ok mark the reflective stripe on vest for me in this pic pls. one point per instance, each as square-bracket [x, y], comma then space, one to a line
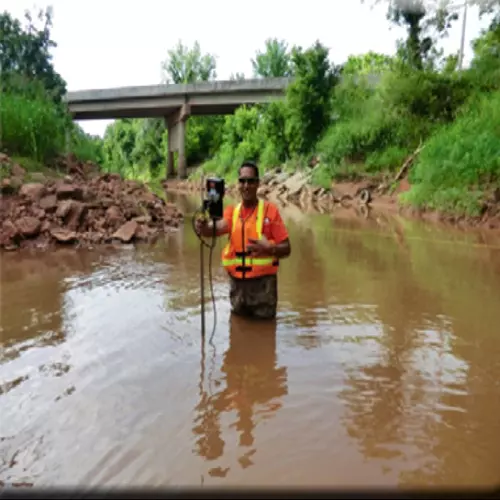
[253, 261]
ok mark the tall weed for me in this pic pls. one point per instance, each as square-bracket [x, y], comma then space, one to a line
[31, 127]
[460, 159]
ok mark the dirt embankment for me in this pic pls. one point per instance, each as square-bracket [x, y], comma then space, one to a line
[82, 207]
[376, 194]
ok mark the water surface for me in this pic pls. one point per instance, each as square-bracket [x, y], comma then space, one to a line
[383, 368]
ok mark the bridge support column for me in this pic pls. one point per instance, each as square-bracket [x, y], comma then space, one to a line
[176, 126]
[170, 152]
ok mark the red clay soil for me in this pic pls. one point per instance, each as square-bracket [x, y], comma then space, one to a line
[83, 208]
[388, 203]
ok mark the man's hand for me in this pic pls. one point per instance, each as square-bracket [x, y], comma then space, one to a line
[204, 227]
[259, 248]
[200, 226]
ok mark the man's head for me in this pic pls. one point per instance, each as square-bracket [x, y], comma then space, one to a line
[248, 176]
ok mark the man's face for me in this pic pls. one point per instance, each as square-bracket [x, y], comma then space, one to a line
[248, 184]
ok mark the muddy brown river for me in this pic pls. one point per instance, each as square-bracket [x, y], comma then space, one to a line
[382, 369]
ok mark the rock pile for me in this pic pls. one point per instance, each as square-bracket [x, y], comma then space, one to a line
[285, 187]
[83, 208]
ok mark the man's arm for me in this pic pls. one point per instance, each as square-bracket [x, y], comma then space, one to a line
[221, 227]
[282, 248]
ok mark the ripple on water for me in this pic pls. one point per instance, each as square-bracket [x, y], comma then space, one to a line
[380, 376]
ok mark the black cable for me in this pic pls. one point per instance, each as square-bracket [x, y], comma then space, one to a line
[210, 279]
[210, 247]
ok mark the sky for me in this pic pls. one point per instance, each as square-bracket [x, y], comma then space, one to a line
[111, 43]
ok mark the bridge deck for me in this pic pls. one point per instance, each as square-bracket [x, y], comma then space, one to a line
[220, 97]
[258, 85]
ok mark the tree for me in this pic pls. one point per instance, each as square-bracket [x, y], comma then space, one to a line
[34, 121]
[485, 66]
[309, 96]
[274, 61]
[425, 24]
[426, 21]
[366, 64]
[25, 57]
[188, 65]
[148, 151]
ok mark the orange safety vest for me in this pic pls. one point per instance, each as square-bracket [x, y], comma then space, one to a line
[236, 260]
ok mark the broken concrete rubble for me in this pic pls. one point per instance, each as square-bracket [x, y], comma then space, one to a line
[285, 187]
[83, 208]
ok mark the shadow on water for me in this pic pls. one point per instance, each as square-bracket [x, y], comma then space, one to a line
[382, 368]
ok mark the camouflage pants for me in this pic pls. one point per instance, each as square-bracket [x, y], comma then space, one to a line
[256, 297]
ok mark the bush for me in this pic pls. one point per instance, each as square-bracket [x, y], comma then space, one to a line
[460, 160]
[87, 148]
[32, 127]
[378, 126]
[35, 127]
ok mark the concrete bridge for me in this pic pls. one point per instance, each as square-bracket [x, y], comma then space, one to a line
[174, 103]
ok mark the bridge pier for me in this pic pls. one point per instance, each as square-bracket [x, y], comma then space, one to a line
[176, 128]
[174, 103]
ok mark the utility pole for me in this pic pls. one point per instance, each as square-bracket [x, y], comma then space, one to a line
[462, 41]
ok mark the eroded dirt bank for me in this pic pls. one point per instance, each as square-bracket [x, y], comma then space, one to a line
[379, 195]
[81, 207]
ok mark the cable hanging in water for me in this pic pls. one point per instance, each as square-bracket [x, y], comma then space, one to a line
[210, 247]
[212, 209]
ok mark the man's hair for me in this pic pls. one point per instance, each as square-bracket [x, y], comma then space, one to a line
[250, 164]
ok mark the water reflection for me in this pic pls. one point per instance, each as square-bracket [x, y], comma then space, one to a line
[251, 388]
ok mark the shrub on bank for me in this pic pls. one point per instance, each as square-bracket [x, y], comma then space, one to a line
[31, 126]
[374, 125]
[387, 123]
[86, 147]
[35, 127]
[460, 160]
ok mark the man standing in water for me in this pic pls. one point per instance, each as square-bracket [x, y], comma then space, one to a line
[258, 239]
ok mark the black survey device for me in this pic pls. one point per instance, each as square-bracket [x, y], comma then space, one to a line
[214, 197]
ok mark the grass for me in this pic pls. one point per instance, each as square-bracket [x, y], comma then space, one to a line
[34, 131]
[460, 162]
[31, 127]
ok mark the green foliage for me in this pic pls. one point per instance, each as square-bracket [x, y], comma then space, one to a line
[379, 125]
[275, 133]
[274, 61]
[485, 67]
[389, 158]
[138, 148]
[33, 120]
[460, 159]
[31, 127]
[188, 65]
[321, 177]
[309, 97]
[382, 123]
[380, 111]
[361, 118]
[367, 64]
[25, 59]
[86, 147]
[425, 22]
